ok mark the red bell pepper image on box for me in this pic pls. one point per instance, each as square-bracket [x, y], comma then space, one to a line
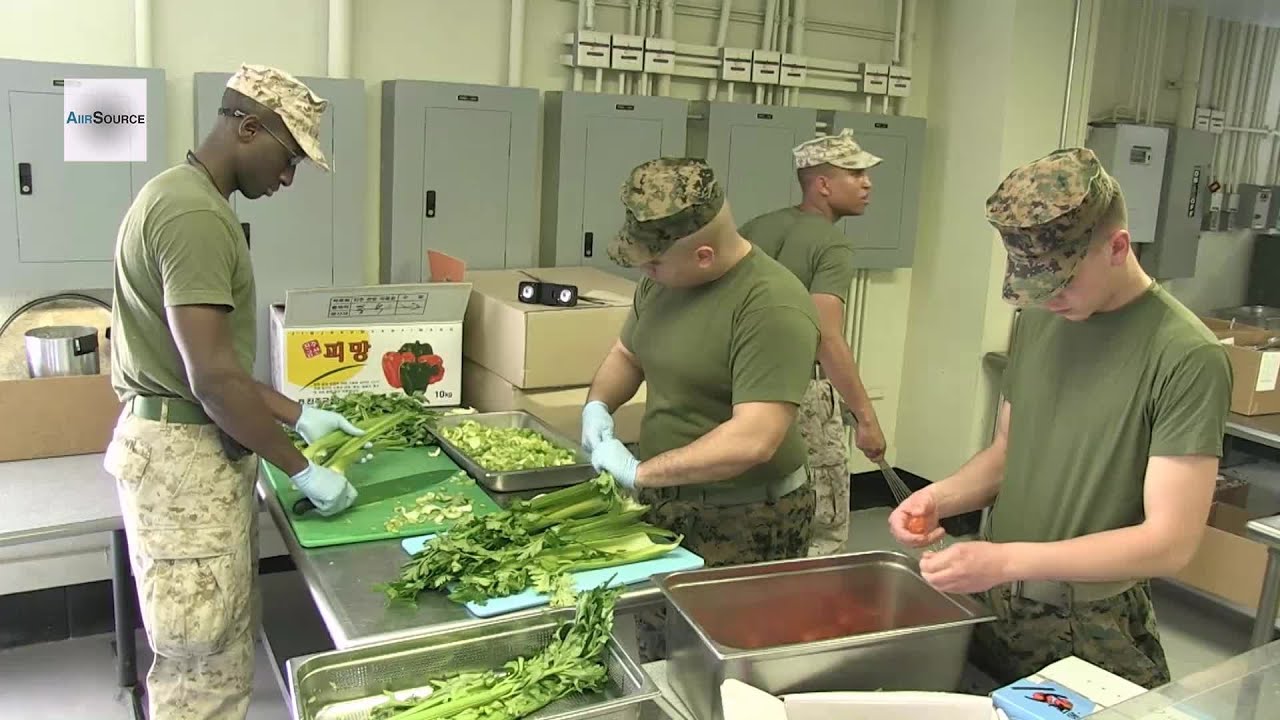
[413, 367]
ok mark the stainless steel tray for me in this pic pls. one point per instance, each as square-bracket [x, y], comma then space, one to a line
[347, 684]
[913, 637]
[516, 480]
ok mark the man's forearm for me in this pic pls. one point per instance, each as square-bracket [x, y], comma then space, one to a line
[1130, 553]
[616, 381]
[837, 363]
[281, 407]
[726, 452]
[235, 403]
[974, 486]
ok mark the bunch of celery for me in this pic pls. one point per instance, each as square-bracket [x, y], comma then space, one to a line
[535, 544]
[572, 663]
[359, 407]
[338, 450]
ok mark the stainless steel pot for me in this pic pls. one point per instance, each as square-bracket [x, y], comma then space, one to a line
[62, 350]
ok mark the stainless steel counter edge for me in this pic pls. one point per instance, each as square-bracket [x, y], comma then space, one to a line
[434, 612]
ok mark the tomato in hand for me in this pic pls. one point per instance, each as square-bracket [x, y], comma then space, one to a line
[917, 524]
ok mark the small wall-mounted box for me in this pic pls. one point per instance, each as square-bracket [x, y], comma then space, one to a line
[1204, 119]
[794, 70]
[1218, 121]
[899, 81]
[765, 66]
[875, 79]
[591, 49]
[659, 56]
[735, 64]
[628, 52]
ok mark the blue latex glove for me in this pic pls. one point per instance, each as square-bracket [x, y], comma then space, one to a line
[328, 491]
[597, 425]
[613, 457]
[315, 423]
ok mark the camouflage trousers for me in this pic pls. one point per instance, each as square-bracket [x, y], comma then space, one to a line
[191, 520]
[824, 434]
[1117, 634]
[732, 535]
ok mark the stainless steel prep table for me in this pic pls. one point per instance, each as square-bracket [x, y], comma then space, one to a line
[55, 498]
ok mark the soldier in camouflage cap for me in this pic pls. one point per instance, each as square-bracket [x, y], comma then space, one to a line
[1107, 441]
[834, 176]
[185, 450]
[724, 338]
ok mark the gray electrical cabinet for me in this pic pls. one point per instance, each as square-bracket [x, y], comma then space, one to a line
[458, 174]
[310, 234]
[1184, 201]
[1254, 212]
[1135, 156]
[749, 147]
[1273, 220]
[592, 142]
[885, 236]
[58, 219]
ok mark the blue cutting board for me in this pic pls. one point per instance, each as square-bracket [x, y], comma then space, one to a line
[674, 561]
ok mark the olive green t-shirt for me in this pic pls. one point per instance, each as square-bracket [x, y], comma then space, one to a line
[749, 336]
[1091, 401]
[180, 244]
[811, 247]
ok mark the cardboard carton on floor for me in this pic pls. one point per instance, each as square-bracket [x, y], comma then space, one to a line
[1226, 563]
[57, 416]
[381, 339]
[560, 408]
[1256, 373]
[744, 702]
[536, 346]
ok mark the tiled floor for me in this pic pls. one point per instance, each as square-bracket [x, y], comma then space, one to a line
[75, 678]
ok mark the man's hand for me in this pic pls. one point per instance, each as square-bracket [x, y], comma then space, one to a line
[967, 567]
[613, 457]
[597, 425]
[914, 523]
[328, 491]
[314, 424]
[869, 438]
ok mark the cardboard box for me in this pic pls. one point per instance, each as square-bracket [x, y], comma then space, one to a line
[59, 416]
[560, 408]
[1069, 688]
[1256, 373]
[542, 346]
[1227, 564]
[744, 702]
[331, 341]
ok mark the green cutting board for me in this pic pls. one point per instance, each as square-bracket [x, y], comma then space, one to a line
[363, 523]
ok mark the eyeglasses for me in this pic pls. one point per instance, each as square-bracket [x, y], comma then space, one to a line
[294, 158]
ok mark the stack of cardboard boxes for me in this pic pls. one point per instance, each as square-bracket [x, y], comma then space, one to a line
[542, 358]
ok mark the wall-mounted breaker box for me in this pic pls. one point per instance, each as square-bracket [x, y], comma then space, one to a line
[875, 79]
[458, 175]
[659, 56]
[899, 81]
[794, 70]
[735, 64]
[1273, 222]
[58, 219]
[765, 67]
[1184, 204]
[1254, 211]
[628, 53]
[1135, 156]
[591, 49]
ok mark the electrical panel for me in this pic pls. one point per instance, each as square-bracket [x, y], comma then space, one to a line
[58, 219]
[1273, 222]
[749, 147]
[592, 143]
[458, 174]
[1254, 210]
[310, 234]
[1184, 203]
[885, 236]
[1264, 268]
[1135, 156]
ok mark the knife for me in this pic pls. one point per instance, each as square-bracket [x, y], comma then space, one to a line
[380, 490]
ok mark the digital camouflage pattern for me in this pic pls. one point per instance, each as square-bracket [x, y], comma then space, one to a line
[841, 151]
[1118, 634]
[1045, 212]
[191, 521]
[665, 200]
[299, 108]
[734, 535]
[824, 434]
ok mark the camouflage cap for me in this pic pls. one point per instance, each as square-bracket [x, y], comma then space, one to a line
[665, 200]
[841, 150]
[1046, 211]
[299, 108]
